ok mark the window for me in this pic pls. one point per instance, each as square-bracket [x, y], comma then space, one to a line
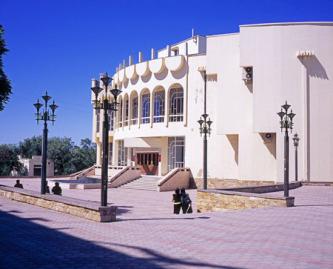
[176, 150]
[145, 116]
[111, 115]
[110, 153]
[122, 153]
[120, 114]
[134, 119]
[176, 104]
[126, 112]
[159, 98]
[97, 120]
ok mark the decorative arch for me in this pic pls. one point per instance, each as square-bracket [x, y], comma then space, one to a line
[176, 102]
[158, 104]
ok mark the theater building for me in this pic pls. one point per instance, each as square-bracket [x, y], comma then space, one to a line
[249, 75]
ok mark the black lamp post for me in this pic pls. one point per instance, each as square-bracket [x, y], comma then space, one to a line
[296, 142]
[286, 121]
[45, 116]
[205, 129]
[106, 106]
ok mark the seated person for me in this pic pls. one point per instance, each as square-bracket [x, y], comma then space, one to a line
[18, 184]
[56, 189]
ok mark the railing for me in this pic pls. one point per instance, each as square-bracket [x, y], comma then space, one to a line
[176, 117]
[159, 118]
[145, 120]
[134, 121]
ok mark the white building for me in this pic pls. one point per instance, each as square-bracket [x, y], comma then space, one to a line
[162, 99]
[34, 166]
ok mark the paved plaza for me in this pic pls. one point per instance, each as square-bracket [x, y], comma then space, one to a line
[148, 235]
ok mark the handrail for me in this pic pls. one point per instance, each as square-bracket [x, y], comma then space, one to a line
[168, 176]
[177, 178]
[114, 177]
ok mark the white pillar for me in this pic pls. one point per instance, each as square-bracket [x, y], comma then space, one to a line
[139, 109]
[168, 50]
[166, 108]
[152, 54]
[140, 57]
[151, 109]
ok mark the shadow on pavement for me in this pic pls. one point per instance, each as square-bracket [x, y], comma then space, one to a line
[165, 261]
[25, 244]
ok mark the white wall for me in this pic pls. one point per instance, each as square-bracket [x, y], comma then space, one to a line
[279, 75]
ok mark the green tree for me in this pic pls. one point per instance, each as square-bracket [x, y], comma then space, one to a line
[67, 157]
[5, 88]
[85, 155]
[60, 150]
[9, 160]
[30, 146]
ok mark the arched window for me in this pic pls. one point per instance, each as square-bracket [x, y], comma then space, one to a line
[120, 113]
[134, 119]
[126, 104]
[145, 115]
[159, 100]
[176, 105]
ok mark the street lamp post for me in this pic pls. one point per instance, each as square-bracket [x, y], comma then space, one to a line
[106, 106]
[296, 142]
[286, 122]
[45, 116]
[205, 129]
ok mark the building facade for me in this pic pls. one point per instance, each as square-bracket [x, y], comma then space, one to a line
[33, 166]
[250, 74]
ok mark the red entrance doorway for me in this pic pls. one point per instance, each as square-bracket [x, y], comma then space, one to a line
[148, 162]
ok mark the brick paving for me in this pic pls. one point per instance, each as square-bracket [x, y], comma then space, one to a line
[149, 236]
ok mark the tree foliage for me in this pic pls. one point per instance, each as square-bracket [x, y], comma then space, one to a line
[68, 158]
[9, 160]
[5, 88]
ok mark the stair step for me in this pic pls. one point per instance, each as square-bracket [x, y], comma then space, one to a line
[143, 183]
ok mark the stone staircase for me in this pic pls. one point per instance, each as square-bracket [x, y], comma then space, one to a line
[148, 183]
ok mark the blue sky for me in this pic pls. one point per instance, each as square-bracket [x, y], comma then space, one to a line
[59, 45]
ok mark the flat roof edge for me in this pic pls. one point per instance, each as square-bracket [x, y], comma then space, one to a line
[289, 23]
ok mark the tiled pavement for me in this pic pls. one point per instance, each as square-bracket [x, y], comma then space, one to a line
[149, 236]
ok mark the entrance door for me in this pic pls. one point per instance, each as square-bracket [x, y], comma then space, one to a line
[148, 162]
[37, 170]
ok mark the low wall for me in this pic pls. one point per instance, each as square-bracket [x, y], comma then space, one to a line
[215, 183]
[112, 170]
[80, 208]
[217, 200]
[265, 188]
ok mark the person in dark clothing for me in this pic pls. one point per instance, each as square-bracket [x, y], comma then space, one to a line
[185, 202]
[18, 184]
[56, 189]
[176, 202]
[47, 188]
